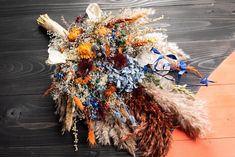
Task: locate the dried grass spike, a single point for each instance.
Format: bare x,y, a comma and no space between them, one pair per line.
193,70
69,115
78,103
91,133
49,89
154,130
189,113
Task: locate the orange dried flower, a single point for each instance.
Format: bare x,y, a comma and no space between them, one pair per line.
107,50
110,90
129,39
62,49
83,80
102,31
78,103
79,80
139,43
120,49
91,86
87,78
74,33
84,51
117,34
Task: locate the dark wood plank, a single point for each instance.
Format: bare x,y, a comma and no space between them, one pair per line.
28,127
61,151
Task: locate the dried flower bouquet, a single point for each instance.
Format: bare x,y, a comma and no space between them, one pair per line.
117,75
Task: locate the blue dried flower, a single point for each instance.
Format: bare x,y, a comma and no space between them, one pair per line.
127,78
59,75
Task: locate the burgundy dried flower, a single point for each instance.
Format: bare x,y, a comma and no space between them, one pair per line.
120,61
85,67
79,19
103,110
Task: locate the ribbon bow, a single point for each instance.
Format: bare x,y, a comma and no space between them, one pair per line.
182,66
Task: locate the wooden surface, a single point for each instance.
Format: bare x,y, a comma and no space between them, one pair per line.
205,29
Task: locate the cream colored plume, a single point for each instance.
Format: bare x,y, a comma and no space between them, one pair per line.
191,114
51,26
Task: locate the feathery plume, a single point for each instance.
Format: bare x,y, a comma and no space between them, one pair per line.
189,113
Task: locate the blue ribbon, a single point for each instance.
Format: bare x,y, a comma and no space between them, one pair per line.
154,50
172,56
183,67
159,58
145,68
205,81
166,64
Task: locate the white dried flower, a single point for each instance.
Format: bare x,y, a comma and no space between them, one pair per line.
55,56
94,12
146,58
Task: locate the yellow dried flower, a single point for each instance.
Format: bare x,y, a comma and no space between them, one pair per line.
102,31
84,51
74,33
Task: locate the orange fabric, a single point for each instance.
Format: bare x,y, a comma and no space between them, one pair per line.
221,107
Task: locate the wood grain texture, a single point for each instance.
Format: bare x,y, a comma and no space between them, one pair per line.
205,29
